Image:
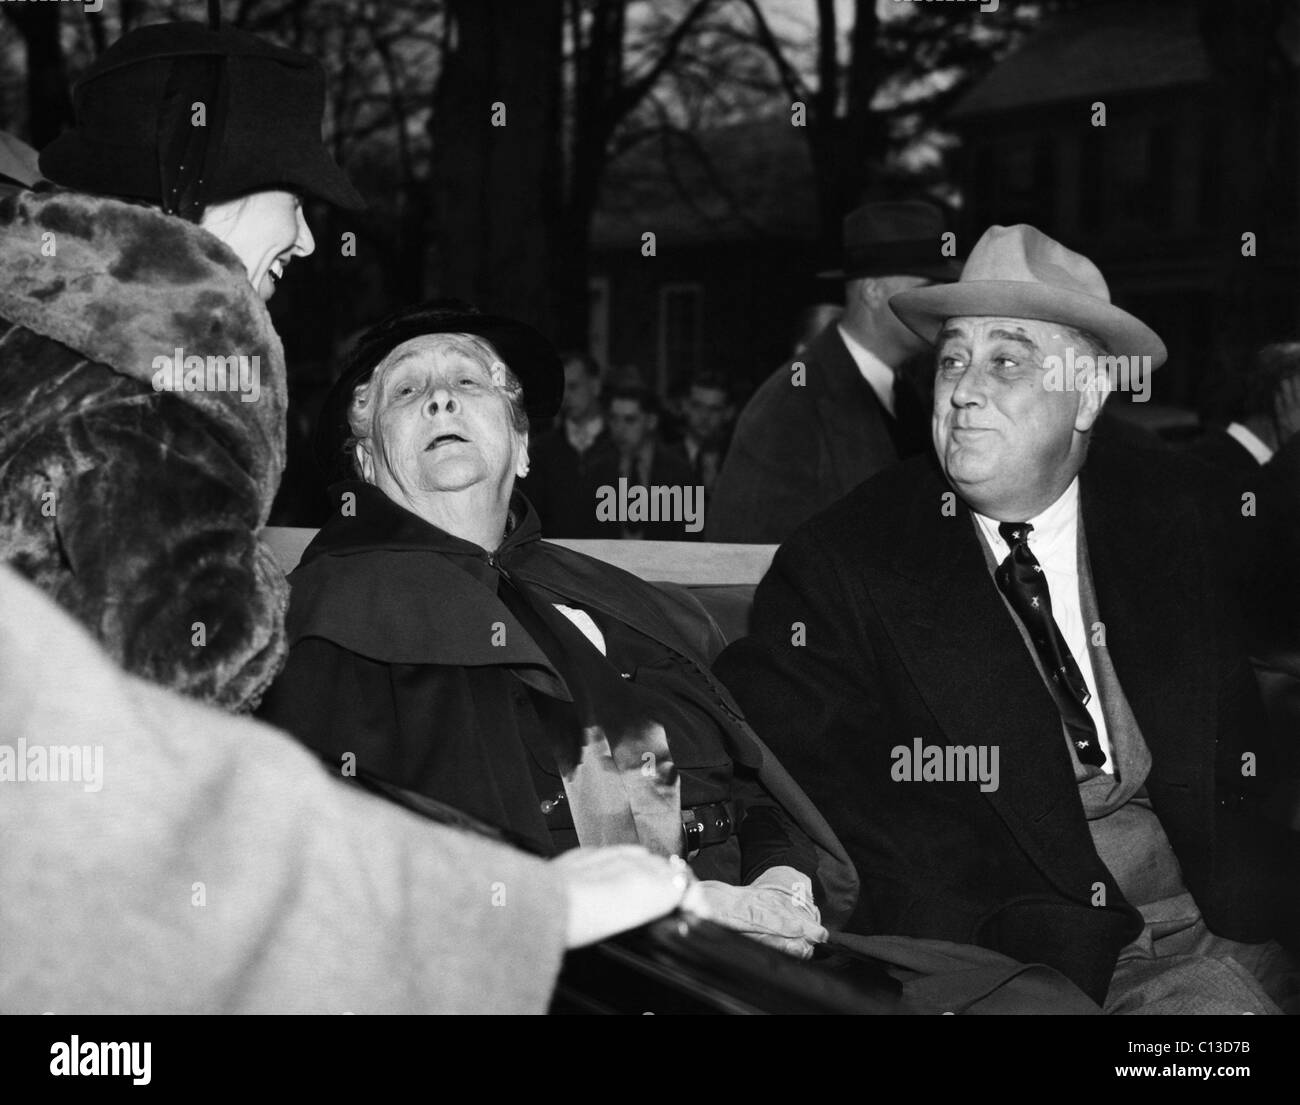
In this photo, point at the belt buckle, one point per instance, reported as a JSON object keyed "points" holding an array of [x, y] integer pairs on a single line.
{"points": [[693, 828]]}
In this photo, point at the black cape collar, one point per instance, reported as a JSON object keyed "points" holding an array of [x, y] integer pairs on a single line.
{"points": [[380, 581], [370, 521]]}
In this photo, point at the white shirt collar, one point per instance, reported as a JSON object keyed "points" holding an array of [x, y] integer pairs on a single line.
{"points": [[1054, 538], [1250, 442], [878, 374]]}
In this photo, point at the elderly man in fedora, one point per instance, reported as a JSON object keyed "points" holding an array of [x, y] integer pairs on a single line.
{"points": [[844, 407], [1014, 682]]}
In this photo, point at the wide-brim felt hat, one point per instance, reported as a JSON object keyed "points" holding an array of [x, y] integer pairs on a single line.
{"points": [[903, 238], [135, 133], [524, 350], [1019, 272]]}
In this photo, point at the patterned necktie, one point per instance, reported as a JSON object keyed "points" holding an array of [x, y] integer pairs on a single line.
{"points": [[1020, 577]]}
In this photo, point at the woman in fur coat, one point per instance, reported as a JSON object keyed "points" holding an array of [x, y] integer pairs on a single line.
{"points": [[142, 387]]}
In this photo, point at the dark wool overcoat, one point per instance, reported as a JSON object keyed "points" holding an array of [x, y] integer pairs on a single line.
{"points": [[907, 638]]}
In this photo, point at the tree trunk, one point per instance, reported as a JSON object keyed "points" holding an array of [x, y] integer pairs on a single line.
{"points": [[49, 106], [824, 132], [598, 86], [496, 188], [846, 147]]}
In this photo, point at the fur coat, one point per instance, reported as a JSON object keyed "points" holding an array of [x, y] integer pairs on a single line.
{"points": [[136, 508]]}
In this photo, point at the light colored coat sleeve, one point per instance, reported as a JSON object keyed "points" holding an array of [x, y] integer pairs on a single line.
{"points": [[212, 865]]}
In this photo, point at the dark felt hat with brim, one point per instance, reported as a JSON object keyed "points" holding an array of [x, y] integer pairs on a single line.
{"points": [[894, 239], [523, 350], [1019, 272], [139, 133]]}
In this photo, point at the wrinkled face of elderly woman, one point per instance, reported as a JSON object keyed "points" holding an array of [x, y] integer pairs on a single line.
{"points": [[440, 414]]}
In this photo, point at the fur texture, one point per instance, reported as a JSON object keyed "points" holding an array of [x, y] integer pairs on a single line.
{"points": [[137, 509]]}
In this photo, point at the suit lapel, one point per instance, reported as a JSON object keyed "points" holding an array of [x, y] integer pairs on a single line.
{"points": [[968, 662], [851, 417], [1148, 598]]}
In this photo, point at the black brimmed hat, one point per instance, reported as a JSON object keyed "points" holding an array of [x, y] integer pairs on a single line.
{"points": [[894, 239], [523, 350], [135, 134]]}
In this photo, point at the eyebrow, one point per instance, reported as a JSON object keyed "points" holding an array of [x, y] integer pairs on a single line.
{"points": [[405, 358], [1017, 336], [416, 354]]}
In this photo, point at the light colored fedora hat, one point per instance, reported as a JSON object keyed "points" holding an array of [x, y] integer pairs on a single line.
{"points": [[1019, 272]]}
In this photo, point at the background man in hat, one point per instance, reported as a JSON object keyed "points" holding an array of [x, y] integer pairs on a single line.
{"points": [[142, 386], [844, 407], [1068, 625]]}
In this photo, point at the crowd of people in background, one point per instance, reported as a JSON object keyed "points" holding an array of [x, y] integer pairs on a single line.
{"points": [[621, 429]]}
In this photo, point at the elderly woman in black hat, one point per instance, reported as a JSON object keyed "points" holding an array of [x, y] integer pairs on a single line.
{"points": [[142, 387], [440, 650]]}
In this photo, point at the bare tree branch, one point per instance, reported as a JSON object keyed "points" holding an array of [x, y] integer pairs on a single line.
{"points": [[642, 85], [790, 78]]}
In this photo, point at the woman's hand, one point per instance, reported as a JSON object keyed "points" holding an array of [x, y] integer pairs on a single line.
{"points": [[776, 909], [615, 889]]}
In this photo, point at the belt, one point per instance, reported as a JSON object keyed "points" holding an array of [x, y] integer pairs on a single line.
{"points": [[705, 825], [702, 825]]}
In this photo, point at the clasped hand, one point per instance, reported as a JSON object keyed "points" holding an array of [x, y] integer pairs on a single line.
{"points": [[776, 909]]}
